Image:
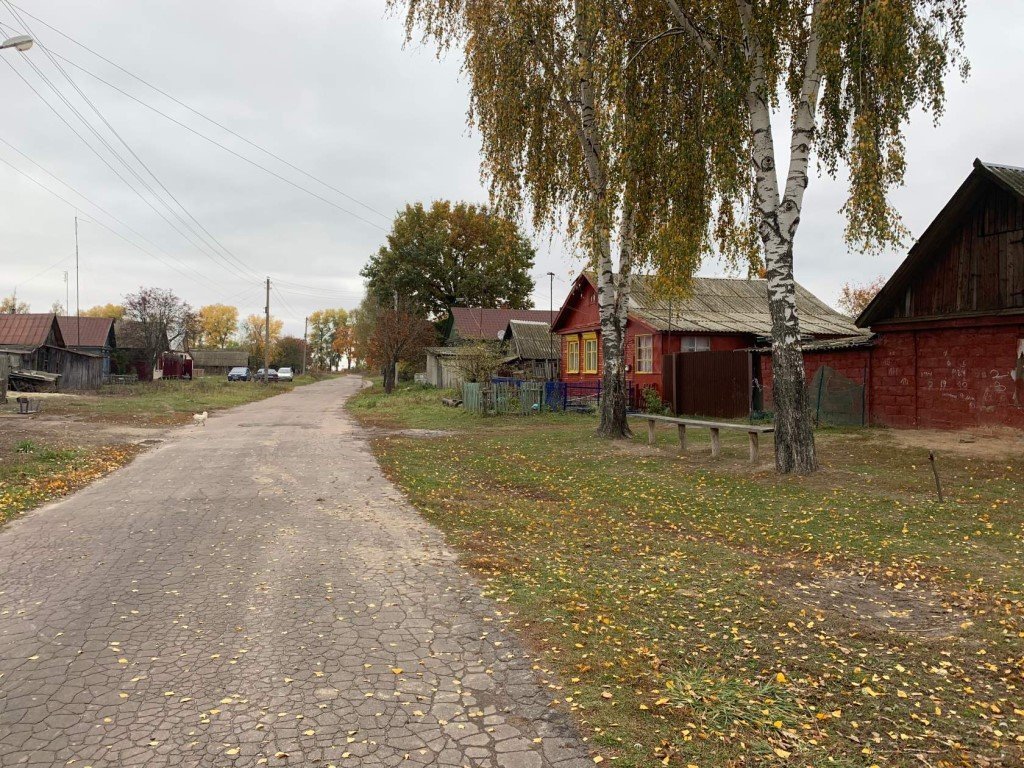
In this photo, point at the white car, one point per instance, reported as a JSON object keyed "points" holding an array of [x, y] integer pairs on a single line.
{"points": [[285, 374]]}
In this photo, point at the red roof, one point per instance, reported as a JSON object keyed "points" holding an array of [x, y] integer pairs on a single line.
{"points": [[27, 330], [490, 324], [94, 330]]}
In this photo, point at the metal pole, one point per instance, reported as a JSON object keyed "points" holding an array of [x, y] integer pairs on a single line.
{"points": [[305, 344], [266, 340], [67, 295], [551, 322], [78, 298]]}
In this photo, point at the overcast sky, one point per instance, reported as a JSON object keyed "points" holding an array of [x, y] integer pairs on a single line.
{"points": [[328, 86]]}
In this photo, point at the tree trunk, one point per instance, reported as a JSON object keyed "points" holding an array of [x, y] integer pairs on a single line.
{"points": [[389, 378], [794, 432]]}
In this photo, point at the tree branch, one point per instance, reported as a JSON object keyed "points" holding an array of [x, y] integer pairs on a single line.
{"points": [[693, 31]]}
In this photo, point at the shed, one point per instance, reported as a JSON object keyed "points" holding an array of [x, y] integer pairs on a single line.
{"points": [[217, 362], [531, 350], [34, 343], [443, 368], [132, 354], [92, 335]]}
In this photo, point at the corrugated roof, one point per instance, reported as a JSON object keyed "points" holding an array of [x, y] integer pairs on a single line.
{"points": [[1009, 176], [94, 330], [530, 340], [26, 330], [224, 358], [490, 324], [729, 305]]}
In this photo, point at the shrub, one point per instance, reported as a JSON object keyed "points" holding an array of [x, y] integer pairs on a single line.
{"points": [[653, 402]]}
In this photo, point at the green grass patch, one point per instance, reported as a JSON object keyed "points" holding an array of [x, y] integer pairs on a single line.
{"points": [[701, 611]]}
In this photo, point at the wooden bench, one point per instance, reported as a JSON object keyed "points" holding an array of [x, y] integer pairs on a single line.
{"points": [[754, 431]]}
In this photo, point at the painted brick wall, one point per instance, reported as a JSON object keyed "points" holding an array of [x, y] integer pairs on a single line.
{"points": [[944, 378]]}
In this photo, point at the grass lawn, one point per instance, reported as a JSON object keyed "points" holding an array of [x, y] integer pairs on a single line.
{"points": [[31, 475], [700, 612]]}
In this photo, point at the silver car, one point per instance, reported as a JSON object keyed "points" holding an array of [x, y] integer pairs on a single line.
{"points": [[285, 374]]}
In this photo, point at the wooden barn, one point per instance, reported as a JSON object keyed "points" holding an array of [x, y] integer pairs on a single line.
{"points": [[92, 335], [39, 358], [530, 350], [948, 343], [217, 362], [716, 315]]}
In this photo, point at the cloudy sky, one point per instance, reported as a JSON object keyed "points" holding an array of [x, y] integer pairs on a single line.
{"points": [[328, 87]]}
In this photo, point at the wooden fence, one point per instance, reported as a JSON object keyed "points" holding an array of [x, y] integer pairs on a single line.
{"points": [[498, 398], [5, 369]]}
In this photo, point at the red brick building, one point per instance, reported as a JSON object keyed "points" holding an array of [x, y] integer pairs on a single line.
{"points": [[948, 344], [718, 314]]}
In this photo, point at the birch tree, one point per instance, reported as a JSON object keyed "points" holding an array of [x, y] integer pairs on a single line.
{"points": [[851, 73], [543, 80]]}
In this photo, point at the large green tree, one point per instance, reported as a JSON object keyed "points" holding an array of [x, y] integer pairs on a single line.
{"points": [[849, 72], [324, 325], [449, 255]]}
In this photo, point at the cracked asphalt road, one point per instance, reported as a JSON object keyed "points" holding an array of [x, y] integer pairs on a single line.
{"points": [[256, 592]]}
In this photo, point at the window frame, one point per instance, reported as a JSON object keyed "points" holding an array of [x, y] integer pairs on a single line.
{"points": [[695, 339], [572, 345], [649, 339], [588, 339]]}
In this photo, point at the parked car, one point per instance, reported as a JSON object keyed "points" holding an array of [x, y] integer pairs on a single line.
{"points": [[271, 375], [285, 374], [239, 374]]}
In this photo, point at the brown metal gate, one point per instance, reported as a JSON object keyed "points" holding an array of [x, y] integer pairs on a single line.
{"points": [[708, 383]]}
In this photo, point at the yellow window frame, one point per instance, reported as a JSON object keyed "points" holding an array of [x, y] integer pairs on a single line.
{"points": [[572, 355], [590, 349]]}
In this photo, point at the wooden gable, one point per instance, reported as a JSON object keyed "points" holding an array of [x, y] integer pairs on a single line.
{"points": [[970, 260]]}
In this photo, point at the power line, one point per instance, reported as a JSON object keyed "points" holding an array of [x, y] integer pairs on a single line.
{"points": [[200, 114], [117, 155], [224, 147], [96, 152], [97, 206], [97, 222]]}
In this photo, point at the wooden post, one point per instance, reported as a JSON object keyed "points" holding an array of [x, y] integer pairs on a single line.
{"points": [[935, 472], [716, 443], [753, 446], [682, 438], [650, 431]]}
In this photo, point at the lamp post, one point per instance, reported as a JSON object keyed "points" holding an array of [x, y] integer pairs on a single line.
{"points": [[551, 322], [21, 42]]}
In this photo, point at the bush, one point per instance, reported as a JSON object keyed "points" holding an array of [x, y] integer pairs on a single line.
{"points": [[653, 402]]}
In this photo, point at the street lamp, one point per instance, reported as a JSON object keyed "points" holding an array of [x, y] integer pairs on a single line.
{"points": [[21, 42]]}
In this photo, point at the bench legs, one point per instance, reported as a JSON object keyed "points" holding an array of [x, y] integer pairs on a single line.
{"points": [[650, 431], [753, 446], [682, 438], [716, 443]]}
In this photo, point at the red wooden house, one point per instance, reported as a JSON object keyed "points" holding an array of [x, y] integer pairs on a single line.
{"points": [[948, 343], [718, 314]]}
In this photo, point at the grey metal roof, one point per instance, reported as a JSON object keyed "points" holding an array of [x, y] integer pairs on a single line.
{"points": [[1009, 176], [226, 358], [731, 305], [530, 340]]}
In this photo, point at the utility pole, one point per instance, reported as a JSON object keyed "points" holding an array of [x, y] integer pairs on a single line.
{"points": [[305, 344], [78, 297], [266, 340], [551, 322], [67, 295], [396, 320]]}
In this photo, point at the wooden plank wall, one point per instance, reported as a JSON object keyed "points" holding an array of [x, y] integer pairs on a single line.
{"points": [[979, 267]]}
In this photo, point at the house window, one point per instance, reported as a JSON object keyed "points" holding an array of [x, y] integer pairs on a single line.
{"points": [[696, 343], [645, 354], [572, 356], [590, 353]]}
